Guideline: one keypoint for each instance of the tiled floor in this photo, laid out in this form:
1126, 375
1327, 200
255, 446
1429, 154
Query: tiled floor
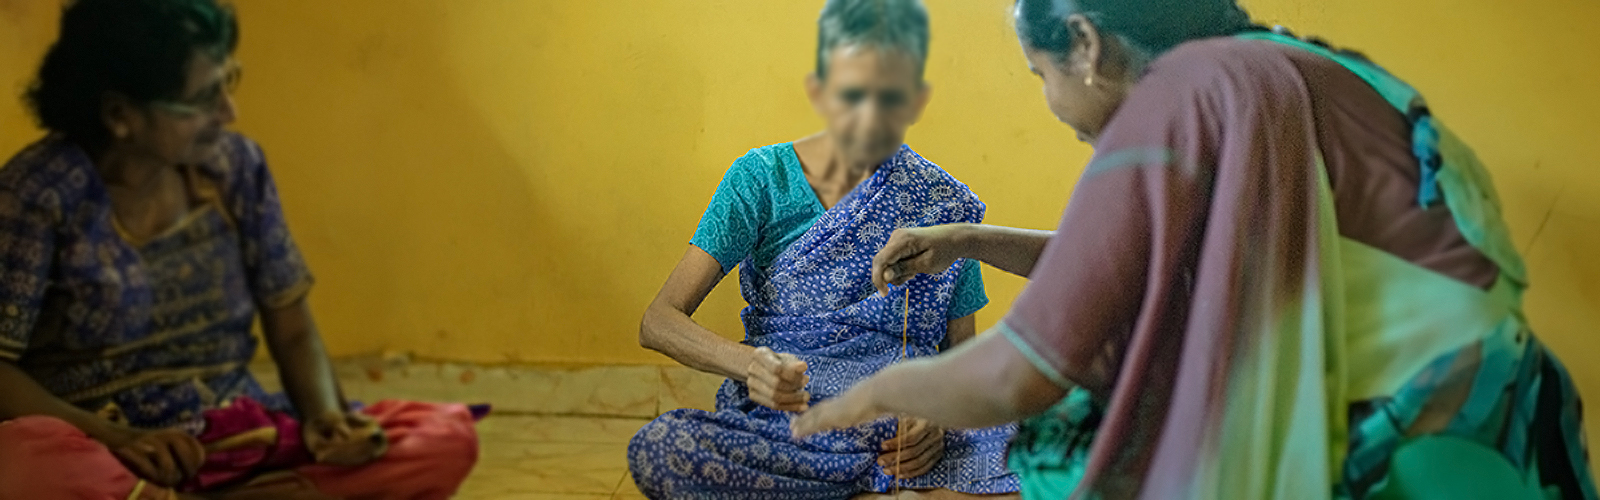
526, 451
553, 458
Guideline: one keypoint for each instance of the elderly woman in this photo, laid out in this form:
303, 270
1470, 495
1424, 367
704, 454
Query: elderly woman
139, 242
801, 220
1284, 279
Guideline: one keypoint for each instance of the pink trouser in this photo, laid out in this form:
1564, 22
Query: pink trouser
431, 449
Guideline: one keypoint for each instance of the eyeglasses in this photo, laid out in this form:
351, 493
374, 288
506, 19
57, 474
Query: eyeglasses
207, 101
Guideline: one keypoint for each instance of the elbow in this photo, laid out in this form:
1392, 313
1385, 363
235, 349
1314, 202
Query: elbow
644, 333
648, 333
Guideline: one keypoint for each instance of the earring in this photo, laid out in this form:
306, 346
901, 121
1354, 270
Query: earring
1088, 81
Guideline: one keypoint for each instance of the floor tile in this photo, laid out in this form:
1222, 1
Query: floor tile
549, 468
503, 430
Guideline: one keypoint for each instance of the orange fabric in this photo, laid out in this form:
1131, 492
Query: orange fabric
44, 457
432, 449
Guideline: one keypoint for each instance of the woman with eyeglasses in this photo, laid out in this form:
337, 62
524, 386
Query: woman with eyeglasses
139, 242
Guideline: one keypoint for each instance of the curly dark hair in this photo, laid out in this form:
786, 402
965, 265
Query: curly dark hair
140, 49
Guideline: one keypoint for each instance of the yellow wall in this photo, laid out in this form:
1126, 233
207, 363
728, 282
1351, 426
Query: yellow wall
26, 27
500, 181
511, 180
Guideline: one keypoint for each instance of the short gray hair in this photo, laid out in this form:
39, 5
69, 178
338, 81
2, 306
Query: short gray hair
883, 24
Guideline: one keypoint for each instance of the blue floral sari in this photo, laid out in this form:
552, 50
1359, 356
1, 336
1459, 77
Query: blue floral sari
817, 302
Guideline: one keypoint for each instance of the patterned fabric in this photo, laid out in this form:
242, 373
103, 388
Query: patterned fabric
765, 204
817, 301
1281, 349
1051, 449
154, 331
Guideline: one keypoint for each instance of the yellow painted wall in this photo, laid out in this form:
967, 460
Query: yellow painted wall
26, 28
513, 180
504, 180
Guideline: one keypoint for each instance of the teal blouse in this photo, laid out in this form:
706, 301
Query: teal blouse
765, 203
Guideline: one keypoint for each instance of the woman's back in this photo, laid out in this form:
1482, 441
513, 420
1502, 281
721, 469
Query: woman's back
1365, 142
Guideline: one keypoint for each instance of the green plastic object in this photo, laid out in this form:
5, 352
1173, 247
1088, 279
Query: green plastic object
1451, 468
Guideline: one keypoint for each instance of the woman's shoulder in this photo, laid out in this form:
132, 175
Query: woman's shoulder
237, 158
1222, 53
1228, 64
52, 173
936, 178
765, 167
765, 158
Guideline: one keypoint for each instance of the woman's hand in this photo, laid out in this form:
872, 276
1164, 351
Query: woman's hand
854, 407
916, 250
165, 457
916, 448
777, 380
344, 438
